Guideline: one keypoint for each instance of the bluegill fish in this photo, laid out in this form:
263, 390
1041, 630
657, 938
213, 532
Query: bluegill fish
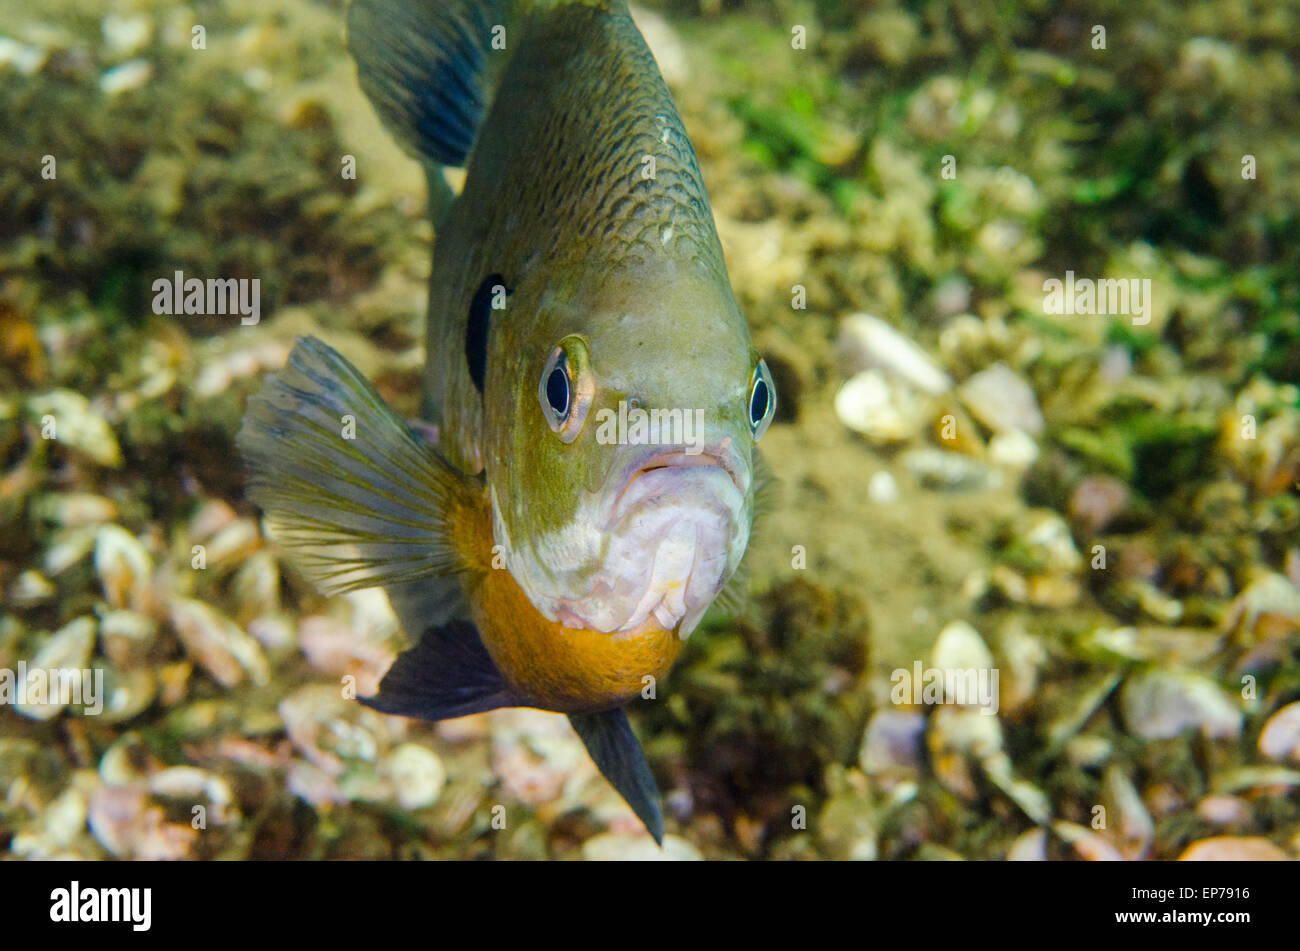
591, 378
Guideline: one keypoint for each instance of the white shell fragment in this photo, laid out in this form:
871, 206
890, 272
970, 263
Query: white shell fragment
1160, 704
1280, 738
867, 342
1002, 401
884, 411
217, 643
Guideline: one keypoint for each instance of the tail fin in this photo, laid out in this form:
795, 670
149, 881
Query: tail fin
617, 754
429, 68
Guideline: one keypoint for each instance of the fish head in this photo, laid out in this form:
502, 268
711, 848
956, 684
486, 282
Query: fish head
622, 479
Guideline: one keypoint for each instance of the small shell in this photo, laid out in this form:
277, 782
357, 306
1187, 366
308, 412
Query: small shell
1097, 501
883, 488
1033, 802
127, 693
1222, 810
960, 647
124, 568
1130, 823
78, 425
113, 816
313, 785
24, 58
1280, 738
1074, 711
1048, 540
882, 410
212, 516
126, 636
965, 730
66, 654
1089, 845
274, 631
336, 649
124, 35
611, 847
31, 588
60, 824
417, 775
1023, 658
1029, 846
892, 744
331, 731
1015, 450
957, 737
75, 509
1269, 607
66, 549
535, 754
1257, 777
217, 643
189, 783
173, 681
127, 824
257, 586
1002, 401
233, 543
950, 471
1087, 751
130, 75
1231, 848
867, 342
126, 760
1160, 704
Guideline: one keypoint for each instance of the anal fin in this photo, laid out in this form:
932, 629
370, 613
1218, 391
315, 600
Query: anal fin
613, 746
447, 674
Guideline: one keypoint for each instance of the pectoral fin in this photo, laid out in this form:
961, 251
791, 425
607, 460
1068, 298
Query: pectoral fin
614, 747
447, 674
356, 497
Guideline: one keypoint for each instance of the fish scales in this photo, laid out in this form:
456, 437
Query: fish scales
540, 200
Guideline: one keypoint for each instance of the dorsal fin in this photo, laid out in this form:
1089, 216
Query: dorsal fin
429, 68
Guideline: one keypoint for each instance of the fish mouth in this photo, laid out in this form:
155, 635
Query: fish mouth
671, 534
721, 457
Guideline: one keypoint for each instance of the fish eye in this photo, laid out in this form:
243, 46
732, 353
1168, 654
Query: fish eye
565, 388
762, 400
557, 388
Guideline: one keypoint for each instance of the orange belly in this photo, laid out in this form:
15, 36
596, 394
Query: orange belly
569, 670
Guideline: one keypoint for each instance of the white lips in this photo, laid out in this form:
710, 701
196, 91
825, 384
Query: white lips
671, 533
662, 546
630, 494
